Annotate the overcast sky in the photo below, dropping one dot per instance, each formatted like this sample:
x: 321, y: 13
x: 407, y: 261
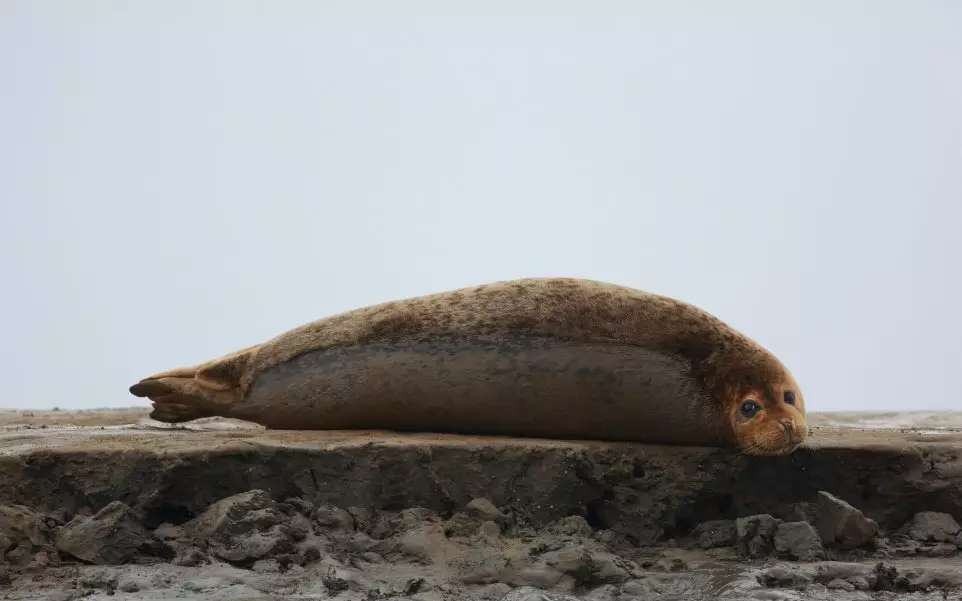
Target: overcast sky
x: 179, y: 179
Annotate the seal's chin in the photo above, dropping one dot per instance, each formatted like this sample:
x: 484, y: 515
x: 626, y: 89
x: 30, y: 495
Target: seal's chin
x: 786, y: 450
x: 768, y: 448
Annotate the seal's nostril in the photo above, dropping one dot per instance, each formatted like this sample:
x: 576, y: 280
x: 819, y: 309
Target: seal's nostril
x: 788, y: 426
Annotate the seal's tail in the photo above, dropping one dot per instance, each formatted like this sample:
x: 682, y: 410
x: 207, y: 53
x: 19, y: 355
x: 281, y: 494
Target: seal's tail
x: 189, y: 393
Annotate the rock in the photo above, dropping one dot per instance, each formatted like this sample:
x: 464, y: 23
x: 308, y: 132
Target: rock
x: 363, y: 519
x: 189, y: 557
x: 333, y: 518
x: 586, y: 566
x: 310, y: 551
x: 266, y: 566
x: 112, y: 536
x: 131, y: 584
x: 460, y: 524
x: 607, y: 537
x: 98, y: 579
x: 168, y: 532
x: 422, y: 543
x: 755, y: 535
x: 841, y: 525
x: 23, y: 530
x: 374, y: 524
x: 490, y: 529
x: 938, y: 550
x: 861, y: 576
x: 782, y: 576
x: 243, y: 528
x: 930, y: 526
x: 493, y: 591
x: 798, y: 540
x: 46, y: 559
x: 840, y: 585
x: 484, y: 510
x: 607, y: 592
x: 301, y: 506
x: 542, y: 577
x: 529, y: 593
x: 922, y: 578
x: 670, y: 564
x: 574, y: 525
x: 715, y: 534
x: 634, y: 588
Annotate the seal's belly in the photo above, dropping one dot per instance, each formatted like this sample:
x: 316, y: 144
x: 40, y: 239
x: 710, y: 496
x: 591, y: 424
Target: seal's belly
x: 521, y: 386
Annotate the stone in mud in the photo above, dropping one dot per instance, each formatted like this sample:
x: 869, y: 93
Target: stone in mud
x: 755, y: 535
x: 841, y: 525
x: 670, y: 564
x: 461, y: 525
x: 131, y: 583
x: 862, y: 576
x: 530, y: 593
x: 921, y: 579
x: 587, y: 566
x: 422, y: 543
x: 189, y: 557
x: 244, y: 528
x: 373, y: 523
x: 489, y: 530
x: 938, y: 550
x: 23, y: 530
x: 840, y: 585
x: 574, y: 525
x: 930, y: 526
x: 411, y: 519
x: 798, y: 540
x: 300, y: 505
x: 635, y: 588
x: 782, y: 576
x: 484, y: 510
x: 329, y: 517
x: 541, y: 577
x: 493, y: 592
x: 112, y: 536
x: 715, y: 534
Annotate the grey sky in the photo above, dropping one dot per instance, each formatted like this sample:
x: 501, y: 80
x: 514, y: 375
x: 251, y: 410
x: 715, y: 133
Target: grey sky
x: 181, y: 179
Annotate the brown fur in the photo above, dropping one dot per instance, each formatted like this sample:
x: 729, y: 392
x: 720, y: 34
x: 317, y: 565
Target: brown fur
x: 729, y: 366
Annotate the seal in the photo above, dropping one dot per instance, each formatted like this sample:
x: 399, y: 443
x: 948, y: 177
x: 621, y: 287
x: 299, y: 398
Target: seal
x: 557, y: 358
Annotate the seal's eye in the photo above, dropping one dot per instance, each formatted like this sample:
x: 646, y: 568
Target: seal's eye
x: 790, y: 397
x: 749, y: 408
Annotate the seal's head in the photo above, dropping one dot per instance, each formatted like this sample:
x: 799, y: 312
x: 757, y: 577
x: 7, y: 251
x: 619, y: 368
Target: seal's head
x: 767, y: 414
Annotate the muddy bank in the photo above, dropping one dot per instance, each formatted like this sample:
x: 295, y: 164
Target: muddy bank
x: 648, y: 493
x: 257, y: 514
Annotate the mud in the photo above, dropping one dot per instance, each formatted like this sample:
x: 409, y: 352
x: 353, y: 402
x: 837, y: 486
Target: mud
x: 225, y: 510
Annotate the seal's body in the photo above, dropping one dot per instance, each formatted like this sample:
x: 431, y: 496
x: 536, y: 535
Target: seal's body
x: 552, y: 358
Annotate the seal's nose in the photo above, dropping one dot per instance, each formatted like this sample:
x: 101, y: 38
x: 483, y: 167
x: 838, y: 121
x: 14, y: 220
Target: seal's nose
x: 789, y: 426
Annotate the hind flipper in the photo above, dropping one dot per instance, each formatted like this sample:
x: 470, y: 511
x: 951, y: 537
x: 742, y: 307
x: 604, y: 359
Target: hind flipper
x: 178, y: 399
x: 188, y: 393
x: 177, y: 408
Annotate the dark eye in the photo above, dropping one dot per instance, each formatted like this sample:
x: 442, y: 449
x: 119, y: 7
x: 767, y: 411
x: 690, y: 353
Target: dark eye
x: 789, y: 397
x: 749, y: 408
